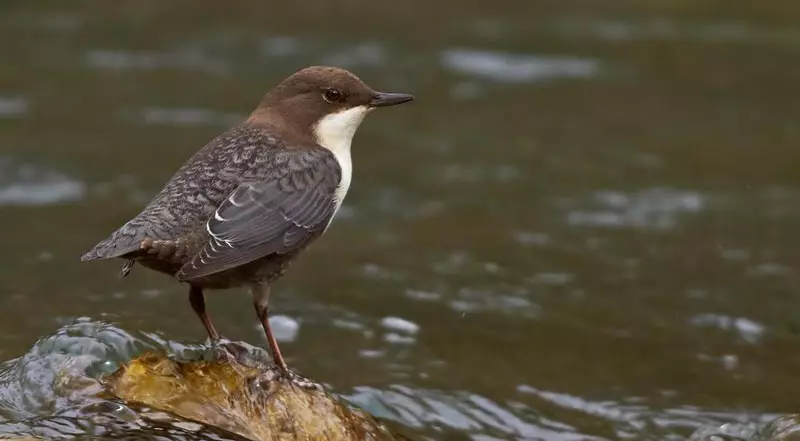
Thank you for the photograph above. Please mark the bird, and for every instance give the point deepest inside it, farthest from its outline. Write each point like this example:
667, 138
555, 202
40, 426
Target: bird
244, 206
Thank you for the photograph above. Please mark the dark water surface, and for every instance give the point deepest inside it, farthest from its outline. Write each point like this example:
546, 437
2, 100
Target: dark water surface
584, 228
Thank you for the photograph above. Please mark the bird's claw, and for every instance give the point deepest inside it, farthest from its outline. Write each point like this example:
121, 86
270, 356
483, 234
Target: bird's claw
225, 350
231, 353
126, 268
300, 381
278, 374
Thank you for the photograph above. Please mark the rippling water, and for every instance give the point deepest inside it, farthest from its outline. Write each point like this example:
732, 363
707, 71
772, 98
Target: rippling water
584, 227
51, 393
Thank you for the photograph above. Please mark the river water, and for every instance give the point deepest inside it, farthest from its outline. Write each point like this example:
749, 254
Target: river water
584, 228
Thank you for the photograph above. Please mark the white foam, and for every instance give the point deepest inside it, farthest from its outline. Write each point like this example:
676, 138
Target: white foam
188, 117
33, 185
284, 328
657, 208
12, 107
400, 325
517, 68
749, 330
395, 338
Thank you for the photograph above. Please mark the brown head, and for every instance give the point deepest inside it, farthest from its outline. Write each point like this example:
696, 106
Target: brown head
326, 103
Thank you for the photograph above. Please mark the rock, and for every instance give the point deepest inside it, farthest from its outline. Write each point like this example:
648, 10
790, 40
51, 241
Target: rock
783, 428
726, 432
253, 402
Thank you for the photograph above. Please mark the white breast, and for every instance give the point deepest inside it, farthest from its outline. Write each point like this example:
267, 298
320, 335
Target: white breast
335, 132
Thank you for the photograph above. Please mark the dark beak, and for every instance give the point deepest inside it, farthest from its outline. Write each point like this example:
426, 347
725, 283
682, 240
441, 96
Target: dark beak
382, 99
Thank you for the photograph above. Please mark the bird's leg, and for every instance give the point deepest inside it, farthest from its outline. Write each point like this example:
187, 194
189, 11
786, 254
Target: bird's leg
223, 350
199, 305
261, 303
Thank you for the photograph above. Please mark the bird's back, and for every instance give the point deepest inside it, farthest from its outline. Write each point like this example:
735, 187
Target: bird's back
180, 210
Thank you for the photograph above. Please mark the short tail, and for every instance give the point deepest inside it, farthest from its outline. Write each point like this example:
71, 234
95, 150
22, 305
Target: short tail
100, 251
116, 245
93, 254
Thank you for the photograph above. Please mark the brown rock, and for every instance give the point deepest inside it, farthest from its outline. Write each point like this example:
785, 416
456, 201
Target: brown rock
251, 402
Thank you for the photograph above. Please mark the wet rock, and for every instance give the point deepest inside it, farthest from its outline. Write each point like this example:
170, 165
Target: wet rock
726, 432
249, 401
784, 428
149, 426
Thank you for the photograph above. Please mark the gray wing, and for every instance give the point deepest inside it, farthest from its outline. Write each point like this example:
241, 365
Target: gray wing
275, 215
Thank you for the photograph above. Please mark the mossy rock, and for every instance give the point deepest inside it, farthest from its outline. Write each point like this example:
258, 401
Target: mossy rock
255, 403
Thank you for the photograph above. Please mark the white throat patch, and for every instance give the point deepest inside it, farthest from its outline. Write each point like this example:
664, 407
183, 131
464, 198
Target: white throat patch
335, 132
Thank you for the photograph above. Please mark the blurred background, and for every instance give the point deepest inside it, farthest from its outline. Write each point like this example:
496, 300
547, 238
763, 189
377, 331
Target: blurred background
584, 227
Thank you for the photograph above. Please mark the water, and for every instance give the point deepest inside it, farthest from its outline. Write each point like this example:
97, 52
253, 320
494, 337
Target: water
584, 227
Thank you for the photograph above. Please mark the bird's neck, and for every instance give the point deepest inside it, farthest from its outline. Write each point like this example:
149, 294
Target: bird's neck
335, 131
276, 123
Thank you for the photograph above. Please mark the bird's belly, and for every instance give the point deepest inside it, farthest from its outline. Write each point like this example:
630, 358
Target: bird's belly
341, 192
161, 265
263, 270
165, 256
342, 153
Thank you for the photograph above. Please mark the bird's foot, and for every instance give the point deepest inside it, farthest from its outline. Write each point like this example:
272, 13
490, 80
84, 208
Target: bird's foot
126, 268
277, 373
300, 381
226, 350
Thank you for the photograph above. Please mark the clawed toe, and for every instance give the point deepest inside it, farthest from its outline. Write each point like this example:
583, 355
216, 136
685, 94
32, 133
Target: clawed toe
277, 374
228, 351
301, 382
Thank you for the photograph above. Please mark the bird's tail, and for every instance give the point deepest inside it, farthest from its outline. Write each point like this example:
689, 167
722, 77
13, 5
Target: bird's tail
119, 243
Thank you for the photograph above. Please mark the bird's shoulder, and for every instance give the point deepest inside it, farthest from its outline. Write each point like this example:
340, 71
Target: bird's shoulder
243, 156
282, 159
278, 206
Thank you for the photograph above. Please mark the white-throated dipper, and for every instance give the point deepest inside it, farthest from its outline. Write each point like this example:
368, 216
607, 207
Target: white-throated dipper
242, 208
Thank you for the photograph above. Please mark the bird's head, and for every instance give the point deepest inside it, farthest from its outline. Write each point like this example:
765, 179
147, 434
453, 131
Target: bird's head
327, 102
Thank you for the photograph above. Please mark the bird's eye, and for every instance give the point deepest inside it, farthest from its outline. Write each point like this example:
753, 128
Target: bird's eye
332, 95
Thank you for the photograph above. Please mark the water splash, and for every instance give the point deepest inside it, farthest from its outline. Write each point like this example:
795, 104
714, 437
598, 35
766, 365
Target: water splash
29, 184
653, 208
188, 117
193, 59
12, 107
517, 68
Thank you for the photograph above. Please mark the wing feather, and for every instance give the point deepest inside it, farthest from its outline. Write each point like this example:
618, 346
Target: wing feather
277, 214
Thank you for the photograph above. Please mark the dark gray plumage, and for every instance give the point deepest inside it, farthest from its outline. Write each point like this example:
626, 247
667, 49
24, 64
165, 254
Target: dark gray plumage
247, 177
239, 210
271, 215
